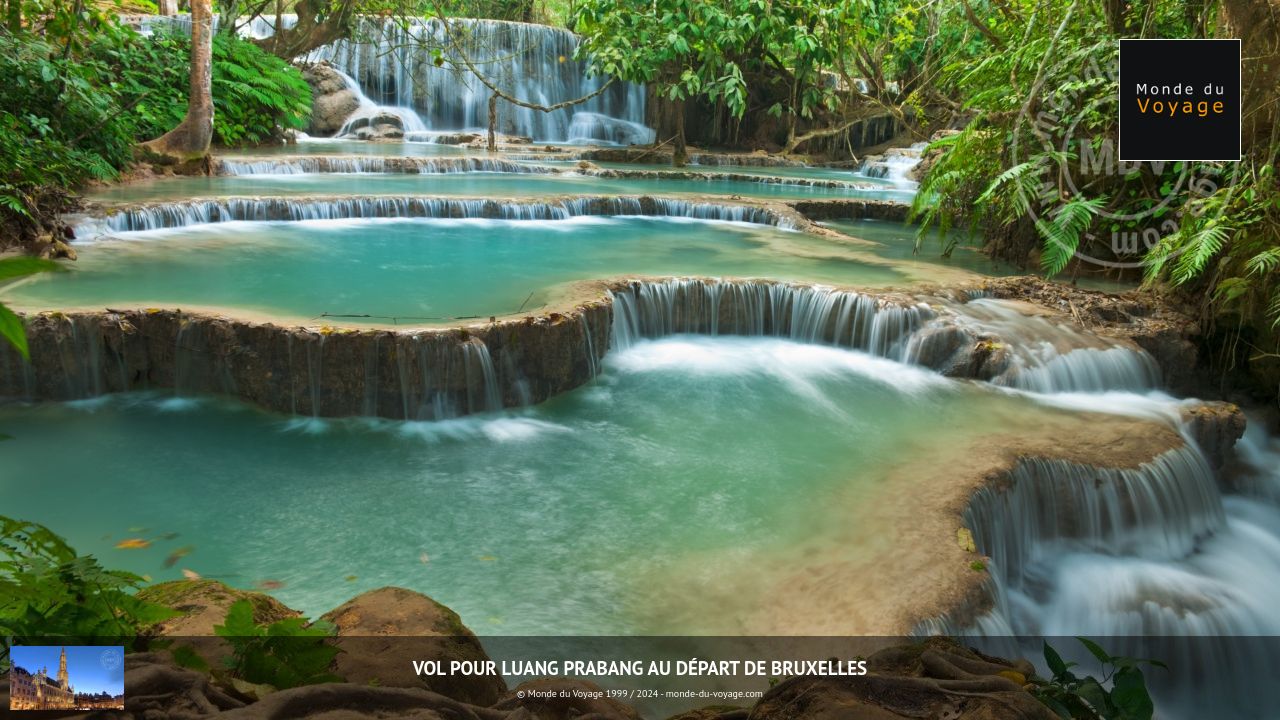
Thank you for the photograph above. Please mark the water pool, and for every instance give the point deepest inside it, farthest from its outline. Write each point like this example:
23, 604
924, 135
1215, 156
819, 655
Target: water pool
422, 268
631, 505
477, 184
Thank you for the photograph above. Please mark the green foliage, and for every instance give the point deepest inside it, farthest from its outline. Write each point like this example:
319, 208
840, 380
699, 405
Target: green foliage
1037, 159
1088, 698
11, 327
79, 94
255, 94
805, 54
47, 590
287, 653
57, 128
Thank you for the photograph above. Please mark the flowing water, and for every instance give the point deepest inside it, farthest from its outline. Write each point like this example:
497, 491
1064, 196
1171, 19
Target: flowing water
467, 184
416, 268
683, 446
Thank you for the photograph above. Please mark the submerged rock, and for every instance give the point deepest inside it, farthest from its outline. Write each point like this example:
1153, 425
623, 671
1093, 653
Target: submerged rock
372, 628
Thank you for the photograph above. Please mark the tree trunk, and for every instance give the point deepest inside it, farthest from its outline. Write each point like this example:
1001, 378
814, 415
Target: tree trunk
168, 7
190, 140
1257, 24
680, 155
493, 122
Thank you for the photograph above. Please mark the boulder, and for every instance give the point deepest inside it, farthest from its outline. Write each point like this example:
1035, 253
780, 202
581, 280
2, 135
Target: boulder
379, 126
1215, 426
372, 632
204, 603
332, 100
201, 605
565, 698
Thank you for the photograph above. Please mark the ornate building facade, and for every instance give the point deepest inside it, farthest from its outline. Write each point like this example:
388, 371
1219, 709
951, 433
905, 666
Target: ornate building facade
38, 691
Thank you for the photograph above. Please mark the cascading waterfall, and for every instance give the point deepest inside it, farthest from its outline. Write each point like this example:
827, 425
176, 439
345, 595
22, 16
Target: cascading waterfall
395, 64
373, 165
1154, 561
368, 113
894, 165
155, 216
1046, 356
804, 313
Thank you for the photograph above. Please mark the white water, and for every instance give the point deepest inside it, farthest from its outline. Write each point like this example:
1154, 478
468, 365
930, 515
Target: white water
395, 65
894, 166
157, 216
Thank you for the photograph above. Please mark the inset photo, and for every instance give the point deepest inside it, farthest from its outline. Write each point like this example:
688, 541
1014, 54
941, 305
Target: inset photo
73, 677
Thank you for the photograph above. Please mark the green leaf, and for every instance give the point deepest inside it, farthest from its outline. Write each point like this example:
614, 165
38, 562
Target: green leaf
1054, 660
1096, 650
22, 266
1130, 697
13, 330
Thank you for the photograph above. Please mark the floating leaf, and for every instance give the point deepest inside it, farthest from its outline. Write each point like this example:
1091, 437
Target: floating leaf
351, 578
270, 584
190, 574
488, 558
133, 544
177, 555
424, 558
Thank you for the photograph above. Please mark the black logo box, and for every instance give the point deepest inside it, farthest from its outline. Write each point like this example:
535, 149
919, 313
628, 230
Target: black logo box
1194, 65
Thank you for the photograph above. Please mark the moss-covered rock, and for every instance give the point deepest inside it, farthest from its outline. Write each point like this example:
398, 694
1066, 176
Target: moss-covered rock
371, 632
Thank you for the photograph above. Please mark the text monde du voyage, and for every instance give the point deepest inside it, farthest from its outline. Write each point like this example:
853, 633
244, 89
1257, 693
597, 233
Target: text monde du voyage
1180, 99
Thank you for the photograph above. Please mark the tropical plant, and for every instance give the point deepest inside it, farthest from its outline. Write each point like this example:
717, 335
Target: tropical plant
1120, 694
287, 653
11, 327
48, 590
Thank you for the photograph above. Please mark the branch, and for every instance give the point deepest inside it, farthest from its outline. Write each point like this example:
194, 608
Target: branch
466, 60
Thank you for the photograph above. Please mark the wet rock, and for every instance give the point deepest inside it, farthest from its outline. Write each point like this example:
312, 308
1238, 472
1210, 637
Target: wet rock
818, 210
1165, 332
381, 126
544, 699
934, 679
1215, 426
332, 100
372, 628
201, 605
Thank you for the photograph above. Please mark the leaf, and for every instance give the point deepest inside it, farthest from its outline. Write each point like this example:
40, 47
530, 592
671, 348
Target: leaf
1130, 697
1096, 650
1054, 660
239, 622
12, 329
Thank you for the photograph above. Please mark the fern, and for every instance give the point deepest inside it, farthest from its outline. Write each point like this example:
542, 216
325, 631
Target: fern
1062, 231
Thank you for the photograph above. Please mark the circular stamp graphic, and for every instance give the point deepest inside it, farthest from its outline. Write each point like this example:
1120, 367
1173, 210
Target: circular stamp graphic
1070, 146
112, 658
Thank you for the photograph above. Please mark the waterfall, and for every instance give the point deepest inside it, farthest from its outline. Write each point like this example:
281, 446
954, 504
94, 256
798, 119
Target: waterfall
368, 112
155, 216
804, 313
894, 165
396, 64
1046, 356
372, 164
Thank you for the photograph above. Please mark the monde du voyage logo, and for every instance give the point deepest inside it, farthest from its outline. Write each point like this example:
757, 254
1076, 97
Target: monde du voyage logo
1179, 100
